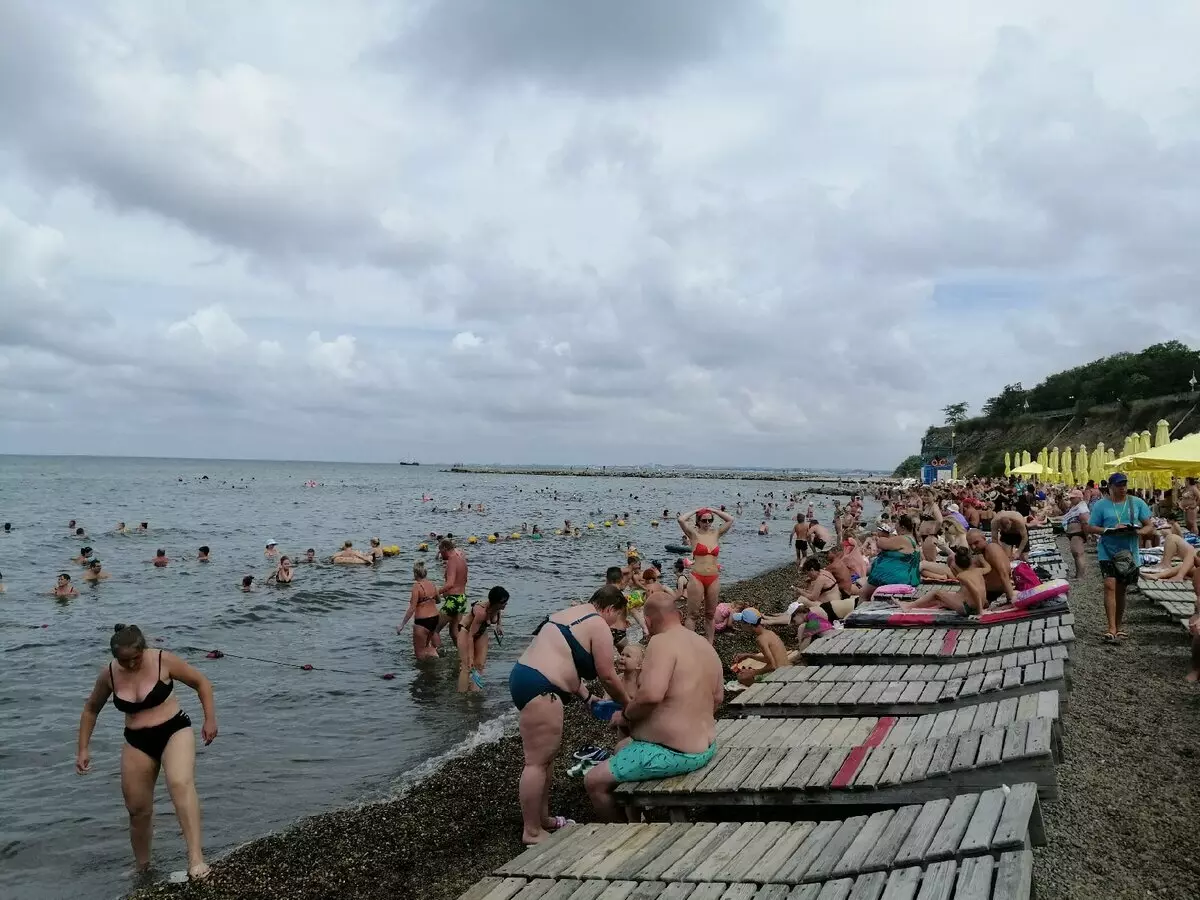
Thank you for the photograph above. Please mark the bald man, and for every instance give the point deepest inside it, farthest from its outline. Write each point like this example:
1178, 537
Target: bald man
671, 717
998, 578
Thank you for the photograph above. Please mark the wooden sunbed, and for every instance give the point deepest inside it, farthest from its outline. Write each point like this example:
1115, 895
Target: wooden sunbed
1047, 637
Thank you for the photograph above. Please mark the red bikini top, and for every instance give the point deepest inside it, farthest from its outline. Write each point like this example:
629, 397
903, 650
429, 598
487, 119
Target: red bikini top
701, 550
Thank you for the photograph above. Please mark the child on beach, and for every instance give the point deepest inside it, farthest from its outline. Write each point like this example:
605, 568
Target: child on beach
772, 654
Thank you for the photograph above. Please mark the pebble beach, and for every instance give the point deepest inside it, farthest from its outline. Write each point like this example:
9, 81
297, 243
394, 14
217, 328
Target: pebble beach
1124, 826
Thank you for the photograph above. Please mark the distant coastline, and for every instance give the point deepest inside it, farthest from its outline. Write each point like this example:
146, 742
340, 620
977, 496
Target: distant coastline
843, 481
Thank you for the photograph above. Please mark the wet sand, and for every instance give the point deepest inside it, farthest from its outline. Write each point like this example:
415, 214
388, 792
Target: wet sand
454, 828
1127, 824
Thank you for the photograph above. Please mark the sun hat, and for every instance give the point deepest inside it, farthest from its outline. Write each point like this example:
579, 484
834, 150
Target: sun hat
792, 607
748, 616
272, 543
1075, 494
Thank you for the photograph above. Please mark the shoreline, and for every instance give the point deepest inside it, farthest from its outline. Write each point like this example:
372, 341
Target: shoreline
437, 838
709, 474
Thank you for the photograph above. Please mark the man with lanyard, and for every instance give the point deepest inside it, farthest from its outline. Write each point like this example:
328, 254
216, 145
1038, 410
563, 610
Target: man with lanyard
1119, 520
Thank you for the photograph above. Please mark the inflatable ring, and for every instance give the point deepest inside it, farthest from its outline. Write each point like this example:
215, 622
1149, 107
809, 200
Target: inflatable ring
423, 548
1044, 591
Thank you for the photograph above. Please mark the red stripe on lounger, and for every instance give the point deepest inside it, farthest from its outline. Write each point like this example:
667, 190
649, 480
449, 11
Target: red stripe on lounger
950, 642
849, 768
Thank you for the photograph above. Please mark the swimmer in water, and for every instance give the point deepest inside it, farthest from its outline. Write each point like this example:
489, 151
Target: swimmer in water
247, 584
7, 527
158, 734
80, 533
160, 558
84, 557
63, 587
202, 555
376, 552
270, 550
310, 556
348, 556
283, 572
143, 527
71, 525
95, 572
120, 529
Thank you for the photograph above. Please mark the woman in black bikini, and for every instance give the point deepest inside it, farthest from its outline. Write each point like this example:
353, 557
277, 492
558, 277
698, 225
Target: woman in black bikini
473, 639
422, 609
157, 732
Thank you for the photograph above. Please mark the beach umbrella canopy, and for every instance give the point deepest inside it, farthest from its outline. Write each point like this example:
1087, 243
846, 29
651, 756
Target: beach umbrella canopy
1007, 463
1081, 466
1096, 463
1026, 459
1030, 468
1181, 457
954, 472
1053, 463
1162, 437
1066, 467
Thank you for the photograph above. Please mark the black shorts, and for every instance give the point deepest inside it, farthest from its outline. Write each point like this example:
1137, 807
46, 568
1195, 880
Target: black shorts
1108, 570
994, 595
985, 524
1011, 538
801, 547
818, 544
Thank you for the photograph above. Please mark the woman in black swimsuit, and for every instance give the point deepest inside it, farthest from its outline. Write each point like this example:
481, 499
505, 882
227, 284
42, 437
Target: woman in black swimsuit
422, 609
473, 640
157, 732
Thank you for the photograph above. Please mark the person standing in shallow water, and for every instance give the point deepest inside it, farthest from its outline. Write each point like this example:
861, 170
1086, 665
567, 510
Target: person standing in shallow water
454, 588
157, 734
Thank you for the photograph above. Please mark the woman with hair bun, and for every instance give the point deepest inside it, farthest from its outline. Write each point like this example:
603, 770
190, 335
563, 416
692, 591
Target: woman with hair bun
157, 732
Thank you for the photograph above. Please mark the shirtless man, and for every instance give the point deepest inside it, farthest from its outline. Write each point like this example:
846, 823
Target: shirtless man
800, 536
95, 572
1008, 527
771, 651
998, 578
348, 556
818, 535
971, 597
63, 587
1189, 502
454, 587
841, 572
672, 718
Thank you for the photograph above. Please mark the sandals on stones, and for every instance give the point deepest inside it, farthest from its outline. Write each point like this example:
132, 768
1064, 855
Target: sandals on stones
1109, 638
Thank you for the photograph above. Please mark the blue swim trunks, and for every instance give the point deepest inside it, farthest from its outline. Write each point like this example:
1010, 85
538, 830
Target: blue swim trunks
643, 761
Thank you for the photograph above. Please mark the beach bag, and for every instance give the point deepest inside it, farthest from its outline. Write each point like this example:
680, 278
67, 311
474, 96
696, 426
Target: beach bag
1024, 577
1124, 565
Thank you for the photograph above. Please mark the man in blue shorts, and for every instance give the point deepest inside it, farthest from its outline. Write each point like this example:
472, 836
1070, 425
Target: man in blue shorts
672, 713
1119, 520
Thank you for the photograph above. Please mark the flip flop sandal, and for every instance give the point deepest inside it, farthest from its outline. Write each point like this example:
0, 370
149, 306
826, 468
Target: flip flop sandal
1121, 635
1109, 638
561, 822
591, 753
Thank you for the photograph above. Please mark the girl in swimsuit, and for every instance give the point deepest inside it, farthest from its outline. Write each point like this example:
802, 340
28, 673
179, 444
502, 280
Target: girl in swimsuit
473, 640
157, 733
570, 647
704, 588
422, 609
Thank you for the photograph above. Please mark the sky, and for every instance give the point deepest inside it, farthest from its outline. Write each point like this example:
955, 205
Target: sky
675, 231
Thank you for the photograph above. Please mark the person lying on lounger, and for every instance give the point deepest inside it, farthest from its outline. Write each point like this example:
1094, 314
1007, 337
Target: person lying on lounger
970, 598
1174, 548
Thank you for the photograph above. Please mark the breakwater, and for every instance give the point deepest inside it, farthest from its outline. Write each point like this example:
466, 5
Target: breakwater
844, 485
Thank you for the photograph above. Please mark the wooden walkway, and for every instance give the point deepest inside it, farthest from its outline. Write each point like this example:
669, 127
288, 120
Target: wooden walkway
970, 846
1176, 598
898, 690
1047, 637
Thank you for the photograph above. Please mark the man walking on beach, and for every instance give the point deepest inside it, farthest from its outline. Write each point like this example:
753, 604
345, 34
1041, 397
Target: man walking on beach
1120, 520
454, 590
671, 716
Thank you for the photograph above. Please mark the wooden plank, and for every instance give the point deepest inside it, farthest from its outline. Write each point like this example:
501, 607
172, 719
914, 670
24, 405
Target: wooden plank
604, 843
950, 833
766, 766
828, 768
853, 861
1012, 677
961, 723
494, 887
732, 781
975, 879
840, 735
922, 727
798, 780
985, 715
621, 855
982, 826
1038, 739
941, 725
1014, 741
591, 890
557, 844
1055, 668
661, 844
868, 887
1006, 711
966, 751
938, 883
991, 747
806, 854
685, 855
916, 843
768, 864
782, 772
1026, 707
762, 844
872, 768
972, 685
717, 770
1013, 827
943, 754
893, 774
902, 884
854, 693
1014, 876
883, 852
836, 890
912, 692
1047, 705
931, 692
822, 867
861, 730
918, 765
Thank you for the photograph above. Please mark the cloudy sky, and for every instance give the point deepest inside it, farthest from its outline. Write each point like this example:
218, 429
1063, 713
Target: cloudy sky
536, 230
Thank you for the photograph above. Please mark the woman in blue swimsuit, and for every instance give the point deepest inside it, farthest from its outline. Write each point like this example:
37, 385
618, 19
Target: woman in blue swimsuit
569, 648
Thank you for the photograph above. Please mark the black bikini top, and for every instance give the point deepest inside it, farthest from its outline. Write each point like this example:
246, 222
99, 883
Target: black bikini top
157, 696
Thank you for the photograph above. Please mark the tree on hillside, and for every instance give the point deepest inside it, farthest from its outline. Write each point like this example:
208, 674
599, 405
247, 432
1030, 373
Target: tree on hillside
1008, 404
910, 468
954, 413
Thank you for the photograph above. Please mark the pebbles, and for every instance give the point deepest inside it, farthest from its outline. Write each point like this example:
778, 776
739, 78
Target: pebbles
1127, 822
454, 828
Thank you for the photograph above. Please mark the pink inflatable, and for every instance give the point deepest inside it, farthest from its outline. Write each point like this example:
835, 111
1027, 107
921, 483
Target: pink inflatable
1045, 591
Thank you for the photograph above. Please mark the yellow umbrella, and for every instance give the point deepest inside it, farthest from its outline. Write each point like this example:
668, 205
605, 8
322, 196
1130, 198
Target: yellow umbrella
1111, 455
1096, 463
954, 472
1081, 466
1030, 468
1054, 463
1162, 437
1007, 464
1043, 458
1144, 480
1026, 459
1181, 457
1065, 467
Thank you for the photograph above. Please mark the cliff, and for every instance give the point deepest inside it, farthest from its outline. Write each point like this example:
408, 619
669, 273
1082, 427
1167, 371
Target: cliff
979, 444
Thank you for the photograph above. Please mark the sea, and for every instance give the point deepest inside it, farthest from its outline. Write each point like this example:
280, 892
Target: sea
292, 741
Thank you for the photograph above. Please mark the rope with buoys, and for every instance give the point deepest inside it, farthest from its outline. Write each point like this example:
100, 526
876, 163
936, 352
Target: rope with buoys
304, 667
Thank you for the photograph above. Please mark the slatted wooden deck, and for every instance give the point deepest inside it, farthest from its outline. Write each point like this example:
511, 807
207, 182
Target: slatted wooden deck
787, 762
897, 690
884, 614
1176, 598
973, 845
1046, 637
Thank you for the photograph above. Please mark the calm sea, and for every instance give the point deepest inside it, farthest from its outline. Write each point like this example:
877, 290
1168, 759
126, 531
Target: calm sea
291, 742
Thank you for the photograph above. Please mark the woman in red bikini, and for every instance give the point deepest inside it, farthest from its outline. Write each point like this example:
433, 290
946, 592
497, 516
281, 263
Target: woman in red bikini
704, 587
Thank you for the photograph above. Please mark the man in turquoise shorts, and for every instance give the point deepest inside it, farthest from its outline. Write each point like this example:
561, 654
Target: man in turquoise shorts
672, 713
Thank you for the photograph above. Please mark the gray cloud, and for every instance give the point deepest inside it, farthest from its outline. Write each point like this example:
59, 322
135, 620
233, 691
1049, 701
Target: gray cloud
617, 47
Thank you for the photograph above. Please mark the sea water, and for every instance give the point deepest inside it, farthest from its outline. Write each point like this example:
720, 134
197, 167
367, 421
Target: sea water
292, 742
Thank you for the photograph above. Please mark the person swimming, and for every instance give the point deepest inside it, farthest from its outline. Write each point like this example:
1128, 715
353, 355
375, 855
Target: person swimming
283, 572
160, 558
202, 554
348, 556
95, 572
247, 583
63, 587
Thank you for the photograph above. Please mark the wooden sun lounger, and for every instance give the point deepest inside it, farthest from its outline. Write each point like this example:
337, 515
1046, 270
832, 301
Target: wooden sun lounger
897, 690
786, 762
1176, 598
883, 614
974, 845
1047, 637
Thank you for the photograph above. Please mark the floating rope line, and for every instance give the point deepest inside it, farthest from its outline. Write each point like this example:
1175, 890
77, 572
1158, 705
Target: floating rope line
306, 667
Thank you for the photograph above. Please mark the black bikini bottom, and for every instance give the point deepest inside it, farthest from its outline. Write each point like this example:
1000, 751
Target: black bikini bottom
153, 740
429, 623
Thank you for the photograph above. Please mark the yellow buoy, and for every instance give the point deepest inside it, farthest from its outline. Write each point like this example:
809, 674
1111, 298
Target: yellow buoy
516, 536
491, 539
620, 523
608, 524
558, 531
591, 524
654, 523
423, 548
472, 540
